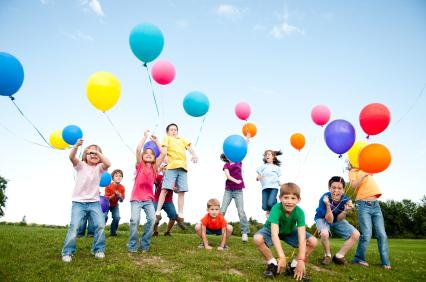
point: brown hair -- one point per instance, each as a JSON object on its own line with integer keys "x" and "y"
{"x": 84, "y": 155}
{"x": 213, "y": 203}
{"x": 275, "y": 161}
{"x": 115, "y": 171}
{"x": 290, "y": 188}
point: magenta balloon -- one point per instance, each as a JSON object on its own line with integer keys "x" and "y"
{"x": 320, "y": 115}
{"x": 163, "y": 72}
{"x": 242, "y": 110}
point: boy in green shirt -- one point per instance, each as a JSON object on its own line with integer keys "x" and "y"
{"x": 286, "y": 222}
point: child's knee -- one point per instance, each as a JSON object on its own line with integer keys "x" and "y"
{"x": 312, "y": 242}
{"x": 324, "y": 234}
{"x": 197, "y": 227}
{"x": 258, "y": 239}
{"x": 355, "y": 235}
{"x": 229, "y": 228}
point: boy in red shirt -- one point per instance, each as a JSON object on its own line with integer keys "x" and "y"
{"x": 114, "y": 193}
{"x": 213, "y": 223}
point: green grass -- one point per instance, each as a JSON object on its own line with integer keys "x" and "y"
{"x": 34, "y": 254}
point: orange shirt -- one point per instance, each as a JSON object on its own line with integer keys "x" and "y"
{"x": 214, "y": 223}
{"x": 110, "y": 190}
{"x": 367, "y": 187}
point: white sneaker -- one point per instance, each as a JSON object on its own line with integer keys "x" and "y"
{"x": 66, "y": 258}
{"x": 100, "y": 255}
{"x": 244, "y": 238}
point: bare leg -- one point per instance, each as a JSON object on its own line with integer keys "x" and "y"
{"x": 349, "y": 243}
{"x": 181, "y": 200}
{"x": 311, "y": 244}
{"x": 261, "y": 246}
{"x": 325, "y": 241}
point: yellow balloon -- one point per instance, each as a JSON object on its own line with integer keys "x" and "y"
{"x": 103, "y": 90}
{"x": 354, "y": 151}
{"x": 57, "y": 141}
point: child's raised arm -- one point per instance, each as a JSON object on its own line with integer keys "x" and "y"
{"x": 277, "y": 244}
{"x": 194, "y": 158}
{"x": 140, "y": 146}
{"x": 73, "y": 152}
{"x": 163, "y": 151}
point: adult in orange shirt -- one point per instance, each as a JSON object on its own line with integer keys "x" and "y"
{"x": 114, "y": 193}
{"x": 213, "y": 223}
{"x": 369, "y": 216}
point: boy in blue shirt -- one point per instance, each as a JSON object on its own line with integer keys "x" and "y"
{"x": 330, "y": 216}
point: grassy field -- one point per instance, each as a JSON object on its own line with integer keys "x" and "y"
{"x": 34, "y": 254}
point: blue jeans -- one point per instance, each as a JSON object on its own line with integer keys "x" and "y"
{"x": 370, "y": 216}
{"x": 238, "y": 197}
{"x": 269, "y": 198}
{"x": 135, "y": 217}
{"x": 341, "y": 228}
{"x": 169, "y": 208}
{"x": 80, "y": 210}
{"x": 115, "y": 212}
{"x": 86, "y": 221}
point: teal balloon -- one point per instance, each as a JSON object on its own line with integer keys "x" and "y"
{"x": 11, "y": 74}
{"x": 146, "y": 41}
{"x": 196, "y": 104}
{"x": 235, "y": 148}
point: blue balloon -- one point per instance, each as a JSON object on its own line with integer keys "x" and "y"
{"x": 151, "y": 145}
{"x": 146, "y": 41}
{"x": 235, "y": 148}
{"x": 196, "y": 104}
{"x": 339, "y": 136}
{"x": 11, "y": 74}
{"x": 104, "y": 203}
{"x": 105, "y": 179}
{"x": 71, "y": 134}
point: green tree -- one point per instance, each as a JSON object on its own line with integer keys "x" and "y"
{"x": 3, "y": 198}
{"x": 420, "y": 219}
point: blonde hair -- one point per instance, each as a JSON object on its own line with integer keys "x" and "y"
{"x": 84, "y": 155}
{"x": 213, "y": 203}
{"x": 290, "y": 188}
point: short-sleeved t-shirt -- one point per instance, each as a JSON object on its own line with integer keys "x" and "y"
{"x": 287, "y": 224}
{"x": 176, "y": 152}
{"x": 367, "y": 187}
{"x": 271, "y": 176}
{"x": 336, "y": 207}
{"x": 110, "y": 190}
{"x": 144, "y": 183}
{"x": 235, "y": 170}
{"x": 214, "y": 223}
{"x": 87, "y": 182}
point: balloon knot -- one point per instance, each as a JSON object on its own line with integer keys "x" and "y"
{"x": 368, "y": 136}
{"x": 12, "y": 98}
{"x": 145, "y": 65}
{"x": 340, "y": 156}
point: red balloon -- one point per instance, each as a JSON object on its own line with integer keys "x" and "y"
{"x": 374, "y": 118}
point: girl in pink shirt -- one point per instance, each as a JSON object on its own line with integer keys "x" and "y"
{"x": 85, "y": 199}
{"x": 142, "y": 195}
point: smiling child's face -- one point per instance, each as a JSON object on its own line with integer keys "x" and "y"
{"x": 337, "y": 190}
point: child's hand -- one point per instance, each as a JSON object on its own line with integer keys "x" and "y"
{"x": 281, "y": 264}
{"x": 207, "y": 247}
{"x": 349, "y": 207}
{"x": 194, "y": 159}
{"x": 154, "y": 138}
{"x": 238, "y": 181}
{"x": 145, "y": 133}
{"x": 259, "y": 177}
{"x": 300, "y": 270}
{"x": 78, "y": 143}
{"x": 326, "y": 200}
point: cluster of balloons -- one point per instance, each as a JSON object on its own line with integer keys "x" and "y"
{"x": 243, "y": 111}
{"x": 62, "y": 139}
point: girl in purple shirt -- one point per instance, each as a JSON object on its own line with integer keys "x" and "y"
{"x": 234, "y": 190}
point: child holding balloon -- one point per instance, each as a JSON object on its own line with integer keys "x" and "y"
{"x": 269, "y": 176}
{"x": 142, "y": 195}
{"x": 176, "y": 172}
{"x": 369, "y": 216}
{"x": 234, "y": 190}
{"x": 114, "y": 192}
{"x": 85, "y": 199}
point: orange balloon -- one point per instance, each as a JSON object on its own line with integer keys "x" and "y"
{"x": 249, "y": 128}
{"x": 297, "y": 140}
{"x": 374, "y": 158}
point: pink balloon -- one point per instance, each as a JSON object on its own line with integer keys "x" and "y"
{"x": 242, "y": 110}
{"x": 320, "y": 115}
{"x": 163, "y": 72}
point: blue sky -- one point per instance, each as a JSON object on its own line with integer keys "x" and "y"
{"x": 281, "y": 57}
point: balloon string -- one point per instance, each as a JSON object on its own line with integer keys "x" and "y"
{"x": 38, "y": 131}
{"x": 153, "y": 96}
{"x": 412, "y": 105}
{"x": 306, "y": 156}
{"x": 118, "y": 133}
{"x": 26, "y": 140}
{"x": 201, "y": 129}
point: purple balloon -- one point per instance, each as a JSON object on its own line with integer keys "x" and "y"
{"x": 339, "y": 136}
{"x": 151, "y": 145}
{"x": 104, "y": 203}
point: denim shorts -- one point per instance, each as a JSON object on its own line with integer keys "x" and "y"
{"x": 175, "y": 176}
{"x": 213, "y": 231}
{"x": 169, "y": 208}
{"x": 341, "y": 228}
{"x": 291, "y": 239}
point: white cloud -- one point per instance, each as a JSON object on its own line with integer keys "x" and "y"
{"x": 94, "y": 5}
{"x": 78, "y": 35}
{"x": 284, "y": 29}
{"x": 228, "y": 11}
